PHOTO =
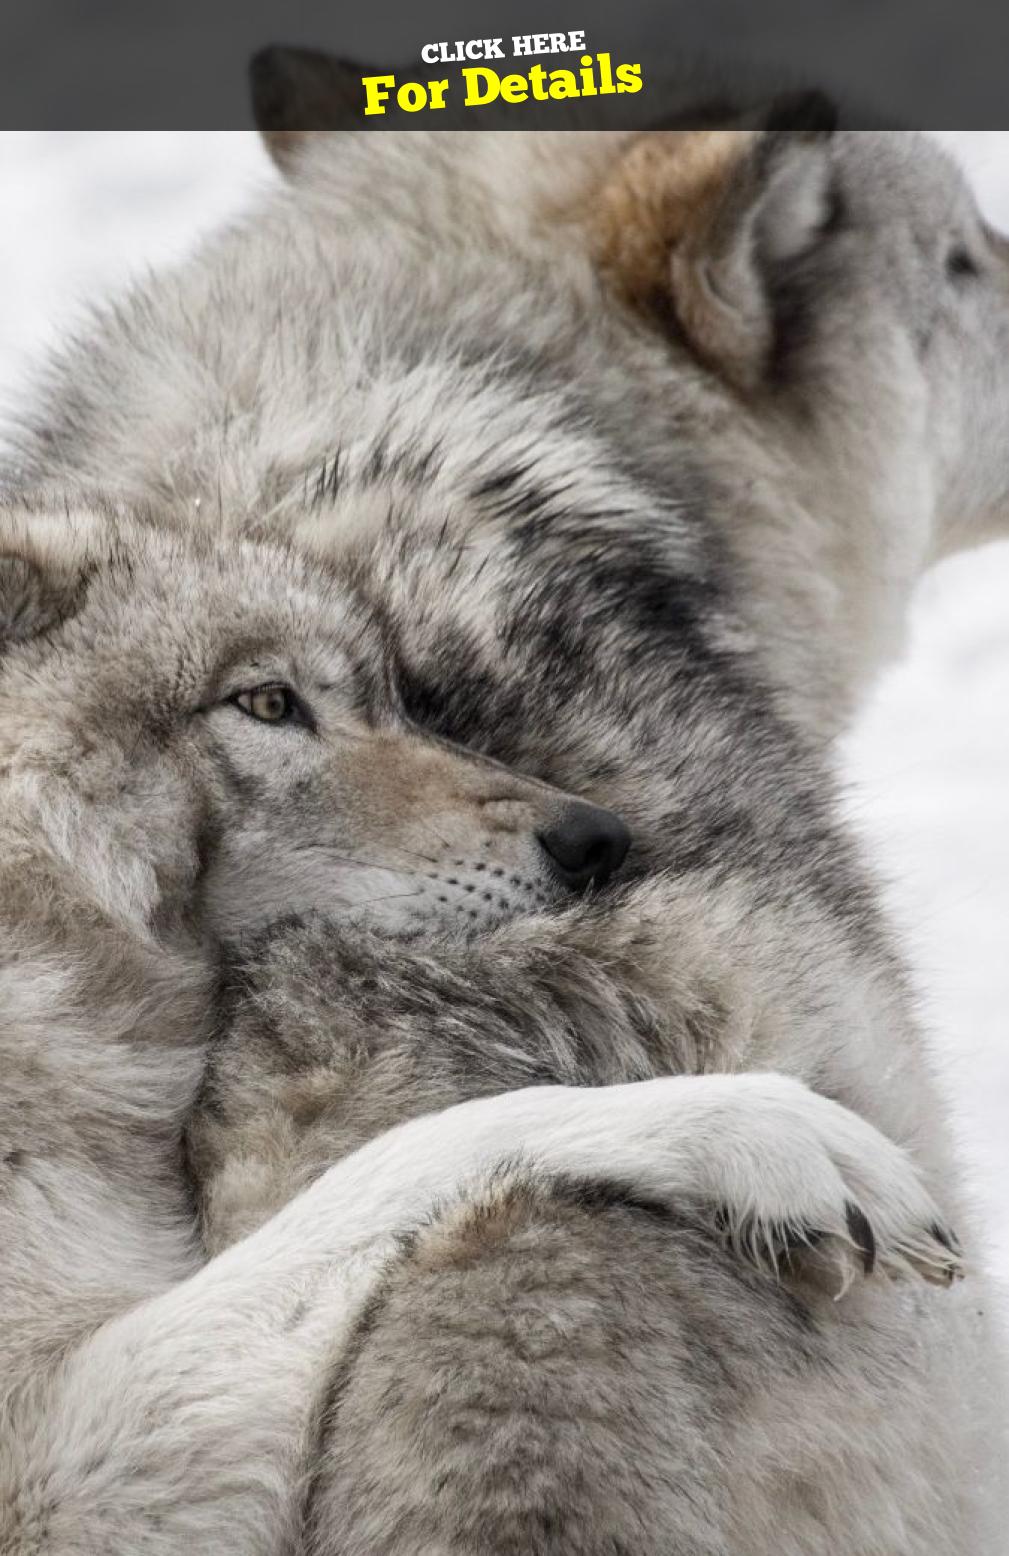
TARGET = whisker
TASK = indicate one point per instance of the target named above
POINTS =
(435, 833)
(394, 896)
(363, 860)
(354, 859)
(411, 853)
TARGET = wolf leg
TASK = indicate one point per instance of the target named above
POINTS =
(182, 1423)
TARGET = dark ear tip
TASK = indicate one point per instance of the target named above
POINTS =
(809, 113)
(270, 66)
(268, 83)
(24, 608)
(295, 90)
(276, 70)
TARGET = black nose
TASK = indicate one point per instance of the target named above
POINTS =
(586, 845)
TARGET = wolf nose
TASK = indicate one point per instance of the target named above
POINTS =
(586, 845)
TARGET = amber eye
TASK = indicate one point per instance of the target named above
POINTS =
(271, 704)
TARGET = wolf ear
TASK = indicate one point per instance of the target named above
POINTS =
(45, 566)
(694, 228)
(30, 602)
(298, 91)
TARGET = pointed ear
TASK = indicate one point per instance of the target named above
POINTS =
(45, 566)
(30, 601)
(696, 227)
(297, 91)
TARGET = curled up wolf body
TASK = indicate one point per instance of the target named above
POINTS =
(460, 1094)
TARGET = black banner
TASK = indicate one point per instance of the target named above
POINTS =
(448, 64)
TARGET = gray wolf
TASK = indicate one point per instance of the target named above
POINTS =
(157, 789)
(630, 450)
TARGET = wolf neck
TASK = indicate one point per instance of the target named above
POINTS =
(828, 509)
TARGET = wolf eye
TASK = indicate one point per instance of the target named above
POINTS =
(275, 704)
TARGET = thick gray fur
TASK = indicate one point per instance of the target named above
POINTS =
(576, 461)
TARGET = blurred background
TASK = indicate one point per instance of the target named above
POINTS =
(926, 771)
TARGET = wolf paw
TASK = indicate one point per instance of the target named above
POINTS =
(795, 1182)
(805, 1187)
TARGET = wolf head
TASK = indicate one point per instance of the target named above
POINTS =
(843, 280)
(210, 721)
(846, 281)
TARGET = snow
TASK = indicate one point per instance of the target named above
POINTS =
(927, 769)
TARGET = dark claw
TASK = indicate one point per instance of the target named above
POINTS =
(861, 1235)
(947, 1238)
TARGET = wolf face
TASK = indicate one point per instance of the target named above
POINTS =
(902, 276)
(956, 269)
(224, 723)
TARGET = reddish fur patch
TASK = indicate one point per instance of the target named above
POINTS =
(655, 227)
(663, 195)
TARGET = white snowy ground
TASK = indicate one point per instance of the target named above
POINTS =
(928, 768)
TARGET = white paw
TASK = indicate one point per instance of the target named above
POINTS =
(792, 1172)
(794, 1181)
